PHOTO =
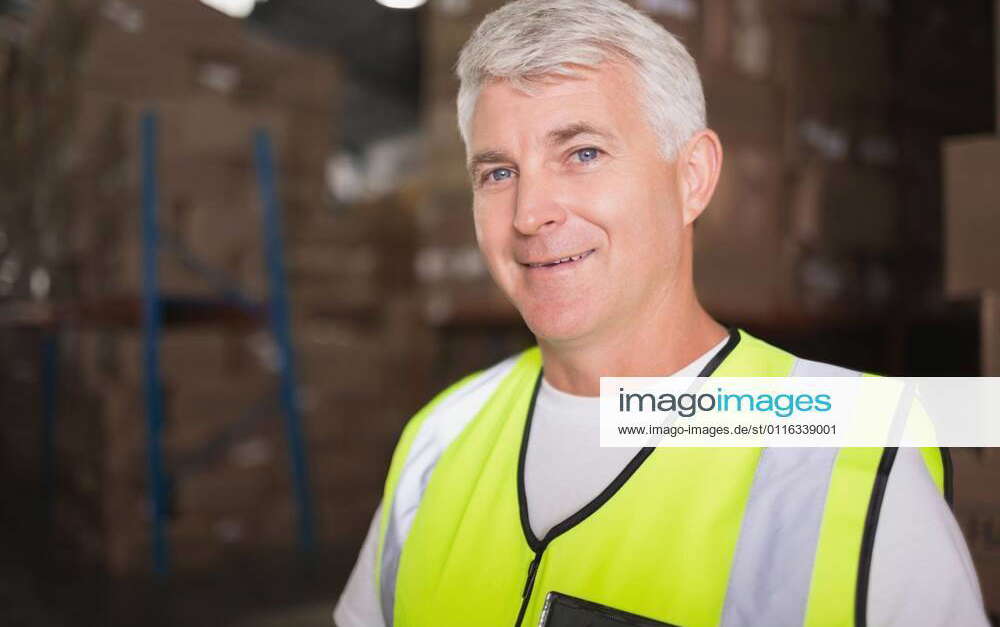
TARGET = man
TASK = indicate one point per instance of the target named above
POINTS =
(584, 124)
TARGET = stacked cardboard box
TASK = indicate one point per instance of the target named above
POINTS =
(355, 320)
(798, 93)
(977, 472)
(211, 85)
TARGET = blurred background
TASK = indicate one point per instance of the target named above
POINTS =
(236, 254)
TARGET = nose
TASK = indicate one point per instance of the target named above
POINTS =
(537, 207)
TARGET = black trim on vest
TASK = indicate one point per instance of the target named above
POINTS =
(949, 476)
(522, 497)
(538, 546)
(868, 537)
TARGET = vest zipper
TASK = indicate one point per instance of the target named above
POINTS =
(529, 584)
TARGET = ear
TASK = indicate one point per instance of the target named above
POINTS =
(698, 166)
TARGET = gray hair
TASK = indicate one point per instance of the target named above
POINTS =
(528, 39)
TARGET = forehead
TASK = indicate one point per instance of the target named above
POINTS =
(605, 96)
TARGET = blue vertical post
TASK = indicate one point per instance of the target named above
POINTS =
(50, 390)
(151, 333)
(281, 328)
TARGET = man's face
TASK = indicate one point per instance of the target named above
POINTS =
(577, 214)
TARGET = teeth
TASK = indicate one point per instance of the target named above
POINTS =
(559, 261)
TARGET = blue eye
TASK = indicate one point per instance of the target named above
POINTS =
(500, 174)
(587, 154)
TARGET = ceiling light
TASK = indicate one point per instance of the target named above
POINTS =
(401, 4)
(232, 8)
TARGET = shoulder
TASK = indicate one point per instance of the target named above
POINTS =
(444, 417)
(466, 395)
(429, 432)
(767, 357)
(810, 368)
(475, 385)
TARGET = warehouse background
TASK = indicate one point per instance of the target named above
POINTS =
(854, 130)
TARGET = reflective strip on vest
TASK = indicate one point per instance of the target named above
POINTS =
(772, 568)
(447, 416)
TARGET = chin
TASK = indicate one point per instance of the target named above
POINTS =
(554, 323)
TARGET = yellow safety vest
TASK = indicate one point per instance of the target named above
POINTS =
(687, 536)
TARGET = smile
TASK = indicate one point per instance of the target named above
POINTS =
(563, 260)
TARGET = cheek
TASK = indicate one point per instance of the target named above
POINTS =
(490, 231)
(634, 215)
(480, 218)
(477, 224)
(648, 228)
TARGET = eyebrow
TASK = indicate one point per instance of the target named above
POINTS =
(568, 132)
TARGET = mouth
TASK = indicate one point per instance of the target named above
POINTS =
(561, 261)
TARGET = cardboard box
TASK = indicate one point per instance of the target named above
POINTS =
(977, 475)
(740, 266)
(972, 214)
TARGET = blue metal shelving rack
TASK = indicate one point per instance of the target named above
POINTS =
(278, 318)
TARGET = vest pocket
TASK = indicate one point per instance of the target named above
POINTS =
(562, 610)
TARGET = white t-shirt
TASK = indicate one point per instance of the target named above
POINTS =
(921, 572)
(565, 466)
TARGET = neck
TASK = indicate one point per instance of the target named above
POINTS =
(670, 334)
